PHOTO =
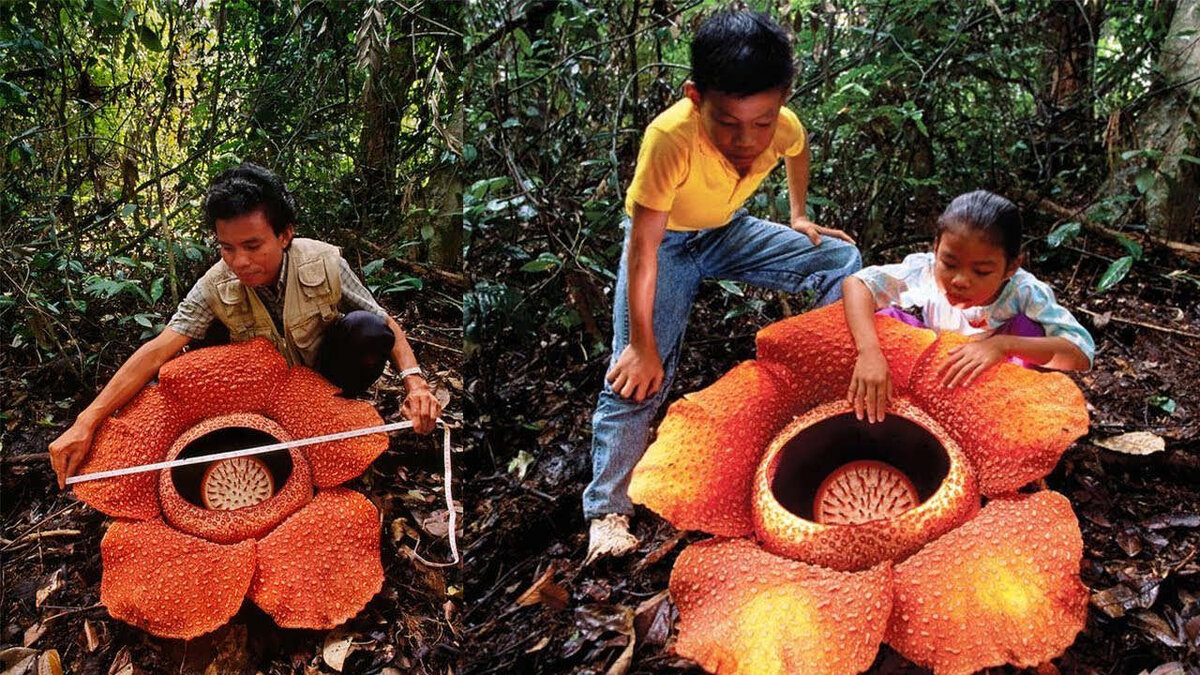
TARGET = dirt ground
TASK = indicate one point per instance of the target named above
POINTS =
(50, 542)
(531, 608)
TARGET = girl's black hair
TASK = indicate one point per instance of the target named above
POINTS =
(244, 189)
(741, 53)
(988, 214)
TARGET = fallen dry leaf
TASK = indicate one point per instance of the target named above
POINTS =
(1134, 443)
(652, 620)
(91, 636)
(49, 663)
(545, 591)
(34, 632)
(621, 665)
(17, 660)
(337, 647)
(52, 584)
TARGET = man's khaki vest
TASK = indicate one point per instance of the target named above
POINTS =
(312, 290)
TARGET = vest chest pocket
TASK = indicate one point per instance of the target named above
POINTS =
(313, 281)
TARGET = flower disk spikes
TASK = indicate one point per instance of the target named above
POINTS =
(273, 527)
(847, 534)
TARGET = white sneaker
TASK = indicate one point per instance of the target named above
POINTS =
(609, 536)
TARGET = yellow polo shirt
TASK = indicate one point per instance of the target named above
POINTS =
(680, 171)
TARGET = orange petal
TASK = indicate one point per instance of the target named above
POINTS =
(139, 434)
(169, 583)
(782, 531)
(321, 566)
(818, 350)
(250, 522)
(306, 405)
(699, 471)
(1014, 423)
(743, 610)
(238, 377)
(1003, 588)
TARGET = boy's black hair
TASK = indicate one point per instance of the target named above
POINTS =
(741, 53)
(988, 214)
(247, 188)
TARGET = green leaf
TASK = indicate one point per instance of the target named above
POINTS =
(1189, 158)
(1062, 234)
(143, 320)
(156, 289)
(523, 41)
(1115, 273)
(149, 38)
(12, 92)
(731, 288)
(106, 11)
(543, 262)
(1134, 248)
(370, 267)
(1144, 180)
(1163, 403)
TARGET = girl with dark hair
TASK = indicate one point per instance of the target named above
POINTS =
(971, 283)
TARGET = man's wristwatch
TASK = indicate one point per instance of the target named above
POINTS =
(415, 370)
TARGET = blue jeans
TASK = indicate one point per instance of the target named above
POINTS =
(747, 249)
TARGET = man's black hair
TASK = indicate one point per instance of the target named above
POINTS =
(741, 53)
(988, 214)
(247, 188)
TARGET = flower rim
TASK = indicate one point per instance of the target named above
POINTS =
(849, 547)
(252, 522)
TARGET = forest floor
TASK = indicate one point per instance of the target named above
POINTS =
(50, 542)
(532, 609)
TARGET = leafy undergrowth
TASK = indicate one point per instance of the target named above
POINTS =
(532, 609)
(50, 543)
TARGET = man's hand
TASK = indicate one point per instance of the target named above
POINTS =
(969, 361)
(421, 406)
(68, 451)
(814, 231)
(870, 386)
(637, 374)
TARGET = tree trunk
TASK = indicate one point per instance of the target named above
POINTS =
(1169, 125)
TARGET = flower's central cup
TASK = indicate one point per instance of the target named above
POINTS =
(847, 494)
(230, 484)
(230, 500)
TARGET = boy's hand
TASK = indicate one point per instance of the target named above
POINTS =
(969, 361)
(814, 231)
(421, 406)
(68, 451)
(870, 386)
(637, 374)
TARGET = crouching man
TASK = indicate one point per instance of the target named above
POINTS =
(298, 293)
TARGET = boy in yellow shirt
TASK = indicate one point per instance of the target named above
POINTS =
(700, 160)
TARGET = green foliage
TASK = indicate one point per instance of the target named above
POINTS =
(905, 104)
(1115, 273)
(115, 115)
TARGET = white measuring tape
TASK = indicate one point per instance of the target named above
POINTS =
(341, 435)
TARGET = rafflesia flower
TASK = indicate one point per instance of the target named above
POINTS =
(835, 535)
(189, 544)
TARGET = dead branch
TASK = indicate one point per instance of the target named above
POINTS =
(1077, 215)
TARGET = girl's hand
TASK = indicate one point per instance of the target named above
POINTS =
(969, 361)
(870, 386)
(814, 231)
(637, 374)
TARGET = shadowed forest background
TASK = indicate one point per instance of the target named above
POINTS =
(1084, 113)
(114, 116)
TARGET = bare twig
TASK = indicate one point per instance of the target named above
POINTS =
(1141, 324)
